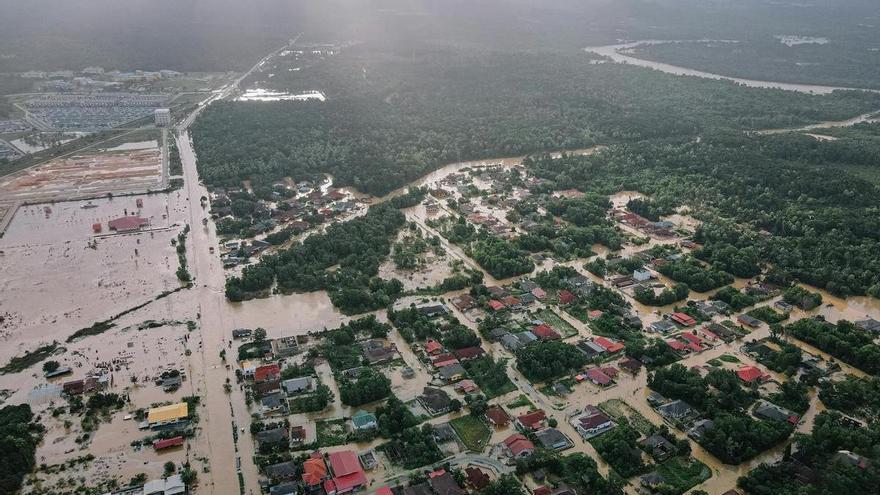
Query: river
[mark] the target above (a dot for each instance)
(623, 54)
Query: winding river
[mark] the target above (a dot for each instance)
(623, 54)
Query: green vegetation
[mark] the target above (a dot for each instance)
(621, 411)
(490, 375)
(768, 315)
(735, 436)
(357, 247)
(802, 298)
(736, 299)
(414, 326)
(412, 448)
(18, 443)
(576, 470)
(521, 401)
(683, 474)
(331, 432)
(818, 451)
(550, 317)
(394, 417)
(369, 386)
(696, 276)
(619, 448)
(853, 395)
(648, 297)
(472, 432)
(823, 236)
(182, 271)
(316, 401)
(501, 258)
(376, 143)
(30, 358)
(844, 341)
(544, 360)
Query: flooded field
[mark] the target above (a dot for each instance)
(271, 95)
(57, 275)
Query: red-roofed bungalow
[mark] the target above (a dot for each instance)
(168, 443)
(532, 420)
(676, 345)
(267, 372)
(496, 305)
(544, 332)
(683, 319)
(347, 473)
(608, 344)
(750, 374)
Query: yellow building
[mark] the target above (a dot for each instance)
(165, 415)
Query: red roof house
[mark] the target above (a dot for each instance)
(539, 293)
(611, 371)
(542, 490)
(566, 297)
(476, 478)
(347, 472)
(608, 344)
(519, 445)
(692, 338)
(497, 416)
(127, 224)
(511, 301)
(469, 353)
(314, 470)
(598, 377)
(168, 443)
(695, 347)
(676, 345)
(683, 319)
(544, 332)
(433, 347)
(496, 305)
(384, 490)
(532, 420)
(750, 374)
(267, 372)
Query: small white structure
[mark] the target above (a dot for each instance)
(162, 116)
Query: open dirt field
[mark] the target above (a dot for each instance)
(87, 173)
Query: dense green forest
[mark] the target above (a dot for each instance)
(818, 453)
(357, 247)
(18, 443)
(845, 341)
(779, 199)
(391, 116)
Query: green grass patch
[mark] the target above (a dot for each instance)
(727, 358)
(521, 401)
(331, 432)
(683, 474)
(618, 410)
(550, 317)
(768, 315)
(714, 362)
(30, 358)
(472, 432)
